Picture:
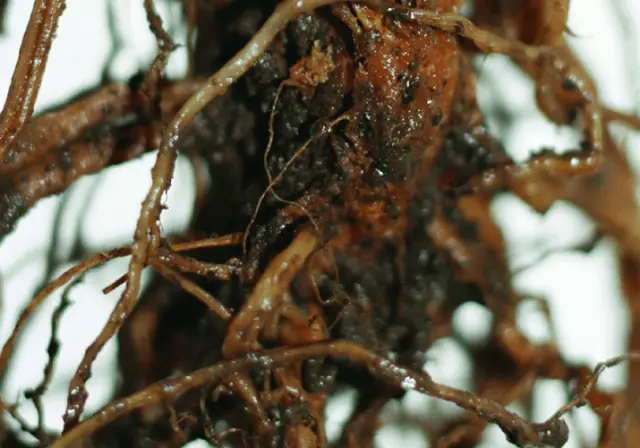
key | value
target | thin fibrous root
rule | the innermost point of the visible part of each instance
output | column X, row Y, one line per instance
column 518, row 430
column 193, row 289
column 53, row 348
column 221, row 272
column 59, row 282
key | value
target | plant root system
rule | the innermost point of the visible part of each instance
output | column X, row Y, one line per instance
column 351, row 174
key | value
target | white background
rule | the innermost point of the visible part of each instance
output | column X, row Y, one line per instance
column 583, row 286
